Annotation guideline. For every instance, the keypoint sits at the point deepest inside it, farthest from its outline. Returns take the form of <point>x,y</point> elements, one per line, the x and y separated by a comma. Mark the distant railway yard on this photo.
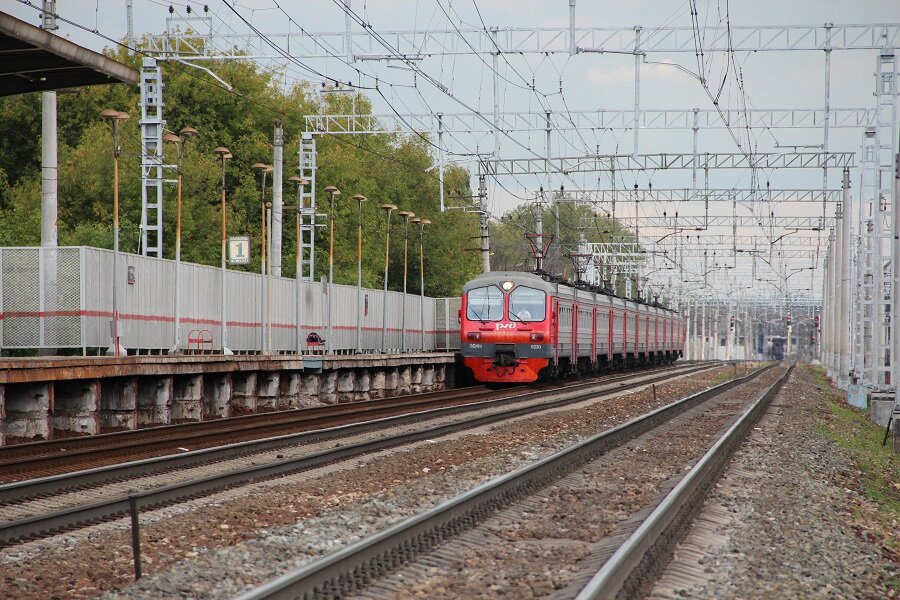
<point>545,493</point>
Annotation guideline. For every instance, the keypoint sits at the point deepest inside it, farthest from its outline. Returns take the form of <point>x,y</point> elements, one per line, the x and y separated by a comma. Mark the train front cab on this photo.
<point>505,327</point>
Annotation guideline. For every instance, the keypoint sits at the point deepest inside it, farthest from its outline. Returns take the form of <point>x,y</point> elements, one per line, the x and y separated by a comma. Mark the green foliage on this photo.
<point>385,168</point>
<point>512,250</point>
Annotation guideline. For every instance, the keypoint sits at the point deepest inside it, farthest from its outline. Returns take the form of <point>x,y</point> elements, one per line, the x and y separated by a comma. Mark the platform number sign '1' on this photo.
<point>238,250</point>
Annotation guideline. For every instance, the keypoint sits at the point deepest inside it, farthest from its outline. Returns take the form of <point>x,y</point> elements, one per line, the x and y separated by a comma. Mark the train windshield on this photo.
<point>485,304</point>
<point>527,304</point>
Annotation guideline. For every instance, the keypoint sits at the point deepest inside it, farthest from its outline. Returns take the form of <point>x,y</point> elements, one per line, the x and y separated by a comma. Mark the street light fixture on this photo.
<point>298,259</point>
<point>332,193</point>
<point>265,306</point>
<point>223,154</point>
<point>388,209</point>
<point>422,223</point>
<point>114,117</point>
<point>179,140</point>
<point>359,201</point>
<point>407,215</point>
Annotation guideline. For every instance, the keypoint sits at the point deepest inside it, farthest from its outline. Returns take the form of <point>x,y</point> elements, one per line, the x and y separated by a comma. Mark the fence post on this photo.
<point>135,536</point>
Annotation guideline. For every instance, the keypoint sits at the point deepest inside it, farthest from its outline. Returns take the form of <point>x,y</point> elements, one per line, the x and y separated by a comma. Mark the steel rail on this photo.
<point>350,569</point>
<point>638,560</point>
<point>44,525</point>
<point>19,491</point>
<point>181,433</point>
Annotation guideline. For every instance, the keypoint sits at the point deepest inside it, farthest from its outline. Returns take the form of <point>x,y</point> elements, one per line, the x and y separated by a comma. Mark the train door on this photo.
<point>637,339</point>
<point>594,326</point>
<point>656,333</point>
<point>574,355</point>
<point>554,330</point>
<point>647,333</point>
<point>612,319</point>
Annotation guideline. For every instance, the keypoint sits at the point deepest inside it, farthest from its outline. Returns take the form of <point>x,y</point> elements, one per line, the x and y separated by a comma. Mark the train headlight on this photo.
<point>473,336</point>
<point>537,337</point>
<point>507,285</point>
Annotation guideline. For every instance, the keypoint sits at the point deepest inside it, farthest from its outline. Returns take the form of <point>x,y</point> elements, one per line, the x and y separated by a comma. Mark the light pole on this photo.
<point>407,215</point>
<point>179,140</point>
<point>115,116</point>
<point>388,209</point>
<point>359,201</point>
<point>421,223</point>
<point>224,154</point>
<point>332,192</point>
<point>298,259</point>
<point>263,345</point>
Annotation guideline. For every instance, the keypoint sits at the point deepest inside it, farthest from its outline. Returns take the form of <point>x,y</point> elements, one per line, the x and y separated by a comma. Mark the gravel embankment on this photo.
<point>550,543</point>
<point>789,520</point>
<point>216,546</point>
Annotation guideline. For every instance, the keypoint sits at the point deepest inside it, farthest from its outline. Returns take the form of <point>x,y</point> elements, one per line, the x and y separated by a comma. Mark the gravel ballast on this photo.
<point>214,547</point>
<point>789,519</point>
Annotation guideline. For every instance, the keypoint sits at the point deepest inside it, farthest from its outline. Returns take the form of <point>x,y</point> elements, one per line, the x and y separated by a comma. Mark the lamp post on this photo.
<point>114,117</point>
<point>407,215</point>
<point>359,201</point>
<point>388,209</point>
<point>224,154</point>
<point>332,193</point>
<point>421,223</point>
<point>298,259</point>
<point>264,169</point>
<point>179,140</point>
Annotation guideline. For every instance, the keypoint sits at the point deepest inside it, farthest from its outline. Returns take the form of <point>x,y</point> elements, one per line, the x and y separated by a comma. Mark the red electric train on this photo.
<point>517,327</point>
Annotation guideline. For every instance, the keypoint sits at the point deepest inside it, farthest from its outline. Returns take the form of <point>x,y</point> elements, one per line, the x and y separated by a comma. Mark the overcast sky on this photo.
<point>587,81</point>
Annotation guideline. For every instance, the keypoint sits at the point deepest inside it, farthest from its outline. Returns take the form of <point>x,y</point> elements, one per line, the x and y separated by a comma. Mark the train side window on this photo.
<point>484,304</point>
<point>527,304</point>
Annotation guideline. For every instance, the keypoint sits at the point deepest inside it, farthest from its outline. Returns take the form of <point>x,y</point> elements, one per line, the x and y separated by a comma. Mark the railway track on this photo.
<point>627,565</point>
<point>47,522</point>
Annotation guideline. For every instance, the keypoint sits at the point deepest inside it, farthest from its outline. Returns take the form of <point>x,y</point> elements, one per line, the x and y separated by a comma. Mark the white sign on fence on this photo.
<point>238,250</point>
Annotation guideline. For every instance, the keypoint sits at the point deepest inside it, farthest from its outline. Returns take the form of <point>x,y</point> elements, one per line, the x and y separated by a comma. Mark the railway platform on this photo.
<point>50,397</point>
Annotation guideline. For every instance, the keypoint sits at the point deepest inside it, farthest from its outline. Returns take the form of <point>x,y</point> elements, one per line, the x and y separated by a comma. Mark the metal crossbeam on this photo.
<point>700,222</point>
<point>744,243</point>
<point>776,118</point>
<point>422,44</point>
<point>643,162</point>
<point>686,195</point>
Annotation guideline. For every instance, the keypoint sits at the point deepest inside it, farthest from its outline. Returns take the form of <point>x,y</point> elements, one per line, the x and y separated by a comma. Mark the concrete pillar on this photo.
<point>309,390</point>
<point>328,388</point>
<point>29,407</point>
<point>346,385</point>
<point>187,398</point>
<point>216,395</point>
<point>363,384</point>
<point>391,382</point>
<point>415,380</point>
<point>76,408</point>
<point>243,394</point>
<point>377,384</point>
<point>289,390</point>
<point>267,391</point>
<point>404,385</point>
<point>118,403</point>
<point>428,384</point>
<point>155,400</point>
<point>2,415</point>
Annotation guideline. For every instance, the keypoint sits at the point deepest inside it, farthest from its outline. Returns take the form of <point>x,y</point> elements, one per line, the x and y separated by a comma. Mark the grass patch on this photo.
<point>879,466</point>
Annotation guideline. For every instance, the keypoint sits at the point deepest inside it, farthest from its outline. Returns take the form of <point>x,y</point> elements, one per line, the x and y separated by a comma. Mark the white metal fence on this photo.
<point>62,297</point>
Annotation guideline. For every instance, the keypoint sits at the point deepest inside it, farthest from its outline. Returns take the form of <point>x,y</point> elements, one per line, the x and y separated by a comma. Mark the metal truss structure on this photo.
<point>775,196</point>
<point>701,223</point>
<point>646,162</point>
<point>587,120</point>
<point>416,45</point>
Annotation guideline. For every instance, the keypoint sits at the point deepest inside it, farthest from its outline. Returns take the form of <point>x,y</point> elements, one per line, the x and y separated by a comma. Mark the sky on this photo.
<point>562,83</point>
